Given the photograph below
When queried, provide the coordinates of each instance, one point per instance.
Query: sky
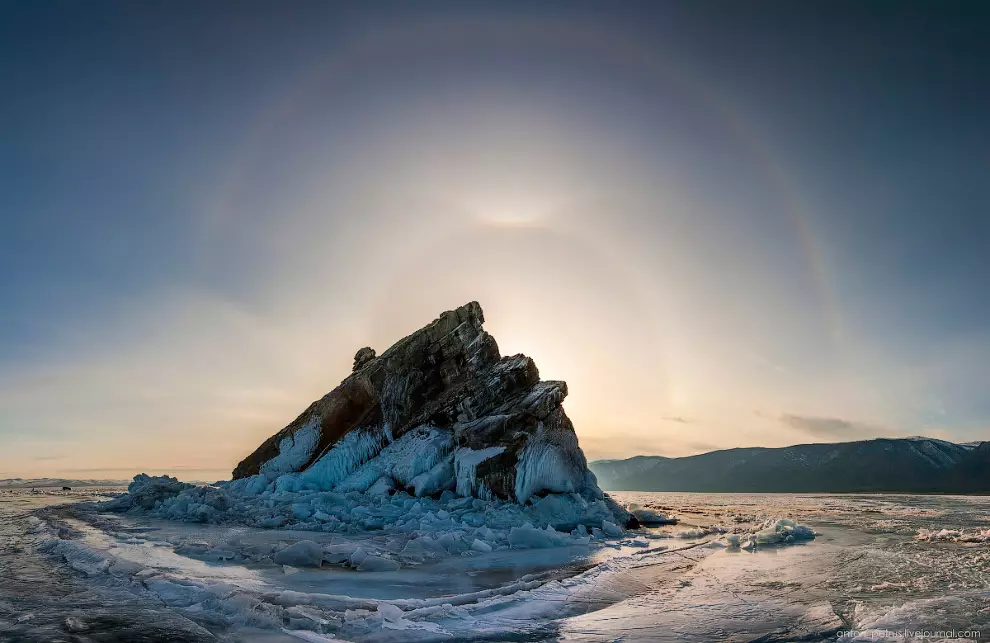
(723, 224)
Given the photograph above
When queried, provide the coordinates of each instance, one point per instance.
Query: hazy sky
(723, 223)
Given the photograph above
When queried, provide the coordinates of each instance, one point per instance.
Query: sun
(507, 210)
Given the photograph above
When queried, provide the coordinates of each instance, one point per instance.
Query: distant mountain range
(30, 483)
(916, 465)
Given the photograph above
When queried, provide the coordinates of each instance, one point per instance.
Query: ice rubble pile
(774, 531)
(427, 528)
(694, 533)
(439, 432)
(390, 551)
(954, 535)
(649, 516)
(147, 491)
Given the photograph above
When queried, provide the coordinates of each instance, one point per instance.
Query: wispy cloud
(703, 447)
(763, 361)
(676, 418)
(183, 468)
(829, 428)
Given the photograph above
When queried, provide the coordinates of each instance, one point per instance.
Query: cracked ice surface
(439, 579)
(234, 582)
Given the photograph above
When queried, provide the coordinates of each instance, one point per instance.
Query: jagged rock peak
(362, 357)
(438, 410)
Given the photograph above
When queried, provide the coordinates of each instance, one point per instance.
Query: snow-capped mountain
(914, 464)
(971, 445)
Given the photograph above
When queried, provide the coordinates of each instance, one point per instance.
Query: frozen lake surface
(882, 567)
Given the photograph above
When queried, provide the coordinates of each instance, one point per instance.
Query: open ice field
(890, 567)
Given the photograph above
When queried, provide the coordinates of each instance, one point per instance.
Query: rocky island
(438, 432)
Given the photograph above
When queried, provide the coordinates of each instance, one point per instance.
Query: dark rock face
(362, 357)
(508, 434)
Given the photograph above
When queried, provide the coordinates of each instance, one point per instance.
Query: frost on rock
(400, 463)
(466, 463)
(344, 458)
(437, 434)
(294, 450)
(551, 462)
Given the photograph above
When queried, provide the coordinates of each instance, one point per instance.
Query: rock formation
(439, 410)
(362, 357)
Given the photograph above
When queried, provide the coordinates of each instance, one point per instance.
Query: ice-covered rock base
(431, 527)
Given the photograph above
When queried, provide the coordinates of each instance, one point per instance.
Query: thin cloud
(827, 428)
(98, 469)
(703, 447)
(183, 468)
(676, 418)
